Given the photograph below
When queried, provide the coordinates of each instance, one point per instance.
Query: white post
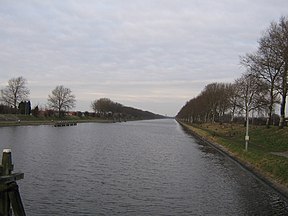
(247, 131)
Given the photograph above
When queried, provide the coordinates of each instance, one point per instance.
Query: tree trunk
(284, 95)
(269, 119)
(233, 113)
(282, 112)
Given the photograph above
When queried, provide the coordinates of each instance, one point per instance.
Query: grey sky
(150, 54)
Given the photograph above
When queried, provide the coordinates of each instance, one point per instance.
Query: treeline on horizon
(107, 110)
(14, 100)
(105, 106)
(257, 91)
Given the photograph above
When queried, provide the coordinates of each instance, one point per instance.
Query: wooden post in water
(9, 193)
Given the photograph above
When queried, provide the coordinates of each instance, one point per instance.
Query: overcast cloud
(150, 54)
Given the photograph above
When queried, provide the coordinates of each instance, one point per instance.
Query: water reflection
(132, 168)
(248, 187)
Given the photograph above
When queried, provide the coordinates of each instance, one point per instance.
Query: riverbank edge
(267, 180)
(38, 123)
(50, 122)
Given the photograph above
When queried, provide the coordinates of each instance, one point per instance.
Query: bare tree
(102, 105)
(270, 65)
(279, 34)
(212, 98)
(216, 96)
(61, 99)
(105, 105)
(15, 92)
(94, 106)
(233, 99)
(277, 39)
(224, 91)
(211, 105)
(252, 94)
(266, 65)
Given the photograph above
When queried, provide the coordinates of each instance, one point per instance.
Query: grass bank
(22, 120)
(264, 149)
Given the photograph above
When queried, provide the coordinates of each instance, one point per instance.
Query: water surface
(131, 168)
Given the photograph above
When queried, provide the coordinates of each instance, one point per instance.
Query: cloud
(130, 48)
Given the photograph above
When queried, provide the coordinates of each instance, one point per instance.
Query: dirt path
(283, 154)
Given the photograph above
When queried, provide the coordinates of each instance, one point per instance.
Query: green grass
(13, 120)
(262, 142)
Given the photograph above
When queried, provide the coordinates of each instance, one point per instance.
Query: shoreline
(257, 173)
(52, 122)
(48, 122)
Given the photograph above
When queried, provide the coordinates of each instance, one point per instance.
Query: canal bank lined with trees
(105, 111)
(259, 92)
(246, 118)
(16, 106)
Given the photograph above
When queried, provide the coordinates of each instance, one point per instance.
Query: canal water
(132, 168)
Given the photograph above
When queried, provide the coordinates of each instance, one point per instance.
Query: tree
(252, 94)
(4, 109)
(61, 99)
(277, 36)
(24, 107)
(216, 97)
(211, 105)
(270, 65)
(233, 98)
(212, 97)
(266, 65)
(105, 105)
(15, 92)
(35, 111)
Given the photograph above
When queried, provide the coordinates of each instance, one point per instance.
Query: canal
(132, 168)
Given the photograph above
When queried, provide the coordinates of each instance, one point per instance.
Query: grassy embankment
(13, 120)
(263, 143)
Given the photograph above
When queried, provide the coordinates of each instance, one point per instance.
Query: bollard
(9, 192)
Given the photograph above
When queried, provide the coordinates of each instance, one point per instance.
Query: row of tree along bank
(258, 91)
(15, 100)
(123, 113)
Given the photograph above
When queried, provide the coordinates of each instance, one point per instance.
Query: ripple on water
(132, 168)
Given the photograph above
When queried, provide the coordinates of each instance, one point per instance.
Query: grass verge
(22, 120)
